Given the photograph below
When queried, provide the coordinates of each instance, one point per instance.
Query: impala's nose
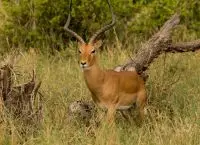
(83, 63)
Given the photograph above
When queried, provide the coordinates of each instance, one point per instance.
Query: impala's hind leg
(141, 103)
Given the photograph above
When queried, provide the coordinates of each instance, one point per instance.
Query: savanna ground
(173, 101)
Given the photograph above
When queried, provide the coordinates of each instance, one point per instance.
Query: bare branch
(153, 47)
(184, 46)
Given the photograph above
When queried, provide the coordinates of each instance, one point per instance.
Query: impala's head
(87, 53)
(87, 50)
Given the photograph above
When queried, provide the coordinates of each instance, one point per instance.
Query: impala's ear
(98, 44)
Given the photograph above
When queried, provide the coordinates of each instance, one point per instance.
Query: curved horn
(105, 28)
(67, 25)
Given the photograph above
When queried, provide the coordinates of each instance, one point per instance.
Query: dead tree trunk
(159, 43)
(21, 101)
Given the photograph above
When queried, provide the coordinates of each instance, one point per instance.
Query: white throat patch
(85, 68)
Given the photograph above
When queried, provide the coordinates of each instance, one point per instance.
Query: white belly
(123, 107)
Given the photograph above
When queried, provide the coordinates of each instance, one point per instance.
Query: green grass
(173, 109)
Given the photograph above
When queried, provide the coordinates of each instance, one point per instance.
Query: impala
(109, 89)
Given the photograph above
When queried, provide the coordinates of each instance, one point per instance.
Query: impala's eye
(79, 51)
(93, 51)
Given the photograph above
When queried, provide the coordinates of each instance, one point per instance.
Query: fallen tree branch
(152, 48)
(157, 44)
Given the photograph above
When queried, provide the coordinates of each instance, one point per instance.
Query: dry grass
(173, 109)
(173, 91)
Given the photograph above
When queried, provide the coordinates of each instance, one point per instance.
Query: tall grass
(173, 108)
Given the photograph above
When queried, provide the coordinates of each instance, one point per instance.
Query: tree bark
(184, 46)
(157, 44)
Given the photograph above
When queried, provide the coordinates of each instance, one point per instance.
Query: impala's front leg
(110, 116)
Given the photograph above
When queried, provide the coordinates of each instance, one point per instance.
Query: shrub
(39, 23)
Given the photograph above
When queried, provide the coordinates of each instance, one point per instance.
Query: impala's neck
(94, 77)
